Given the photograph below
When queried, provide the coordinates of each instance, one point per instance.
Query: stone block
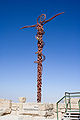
(4, 111)
(74, 100)
(74, 106)
(5, 103)
(5, 106)
(30, 106)
(45, 106)
(15, 106)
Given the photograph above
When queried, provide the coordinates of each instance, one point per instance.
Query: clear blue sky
(61, 69)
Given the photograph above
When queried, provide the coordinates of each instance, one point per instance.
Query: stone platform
(14, 117)
(32, 111)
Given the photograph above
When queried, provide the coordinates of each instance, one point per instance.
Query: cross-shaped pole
(40, 32)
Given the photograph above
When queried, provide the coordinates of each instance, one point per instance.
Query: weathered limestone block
(74, 100)
(30, 106)
(5, 103)
(54, 108)
(4, 111)
(55, 114)
(49, 113)
(36, 113)
(29, 112)
(7, 110)
(38, 106)
(22, 99)
(42, 107)
(45, 106)
(36, 109)
(74, 106)
(5, 106)
(48, 106)
(28, 109)
(15, 106)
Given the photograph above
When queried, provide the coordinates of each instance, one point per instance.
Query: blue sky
(61, 69)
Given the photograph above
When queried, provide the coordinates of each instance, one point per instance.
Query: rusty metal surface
(40, 57)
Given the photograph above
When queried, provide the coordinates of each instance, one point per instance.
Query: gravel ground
(14, 117)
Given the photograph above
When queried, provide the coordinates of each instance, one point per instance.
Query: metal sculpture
(40, 32)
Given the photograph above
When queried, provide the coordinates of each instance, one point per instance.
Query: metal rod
(79, 104)
(57, 111)
(72, 92)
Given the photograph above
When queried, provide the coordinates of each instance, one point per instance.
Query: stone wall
(33, 109)
(46, 110)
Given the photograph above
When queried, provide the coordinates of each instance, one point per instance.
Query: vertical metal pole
(66, 101)
(79, 104)
(57, 111)
(69, 101)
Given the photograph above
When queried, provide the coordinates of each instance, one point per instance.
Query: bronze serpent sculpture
(41, 20)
